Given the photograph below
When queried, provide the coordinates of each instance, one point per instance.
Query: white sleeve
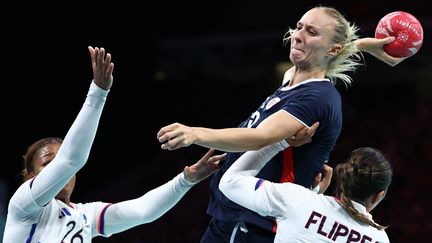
(239, 183)
(280, 199)
(145, 209)
(73, 152)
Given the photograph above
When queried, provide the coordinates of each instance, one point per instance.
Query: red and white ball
(407, 30)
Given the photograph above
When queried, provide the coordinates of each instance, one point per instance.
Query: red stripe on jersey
(274, 227)
(287, 166)
(101, 221)
(287, 172)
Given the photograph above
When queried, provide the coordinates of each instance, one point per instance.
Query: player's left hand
(202, 169)
(303, 136)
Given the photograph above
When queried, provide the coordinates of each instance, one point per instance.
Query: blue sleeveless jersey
(311, 101)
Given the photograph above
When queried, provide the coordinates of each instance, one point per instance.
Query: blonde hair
(349, 57)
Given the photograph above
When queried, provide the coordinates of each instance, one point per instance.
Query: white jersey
(35, 216)
(304, 216)
(56, 222)
(301, 215)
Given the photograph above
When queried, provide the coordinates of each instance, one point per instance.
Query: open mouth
(295, 50)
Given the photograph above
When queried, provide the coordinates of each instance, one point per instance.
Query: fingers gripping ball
(407, 30)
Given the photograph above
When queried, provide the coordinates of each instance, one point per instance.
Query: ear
(335, 50)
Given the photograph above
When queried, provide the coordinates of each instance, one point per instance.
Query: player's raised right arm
(75, 149)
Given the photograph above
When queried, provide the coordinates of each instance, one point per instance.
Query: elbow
(74, 158)
(81, 158)
(72, 162)
(77, 162)
(232, 189)
(228, 184)
(223, 185)
(146, 219)
(147, 216)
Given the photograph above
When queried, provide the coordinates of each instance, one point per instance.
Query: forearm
(79, 139)
(232, 139)
(239, 182)
(149, 207)
(74, 151)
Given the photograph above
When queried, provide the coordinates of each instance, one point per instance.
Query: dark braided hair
(365, 172)
(31, 151)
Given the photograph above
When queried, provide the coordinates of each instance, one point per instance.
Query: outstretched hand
(323, 179)
(204, 167)
(175, 136)
(102, 67)
(375, 47)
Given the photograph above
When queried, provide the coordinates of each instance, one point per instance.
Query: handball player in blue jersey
(324, 46)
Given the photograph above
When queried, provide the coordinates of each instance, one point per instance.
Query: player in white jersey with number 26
(41, 211)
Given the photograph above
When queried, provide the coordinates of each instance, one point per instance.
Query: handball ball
(405, 28)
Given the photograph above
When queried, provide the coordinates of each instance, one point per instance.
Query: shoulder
(22, 203)
(294, 192)
(324, 90)
(90, 206)
(92, 209)
(321, 85)
(312, 86)
(317, 90)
